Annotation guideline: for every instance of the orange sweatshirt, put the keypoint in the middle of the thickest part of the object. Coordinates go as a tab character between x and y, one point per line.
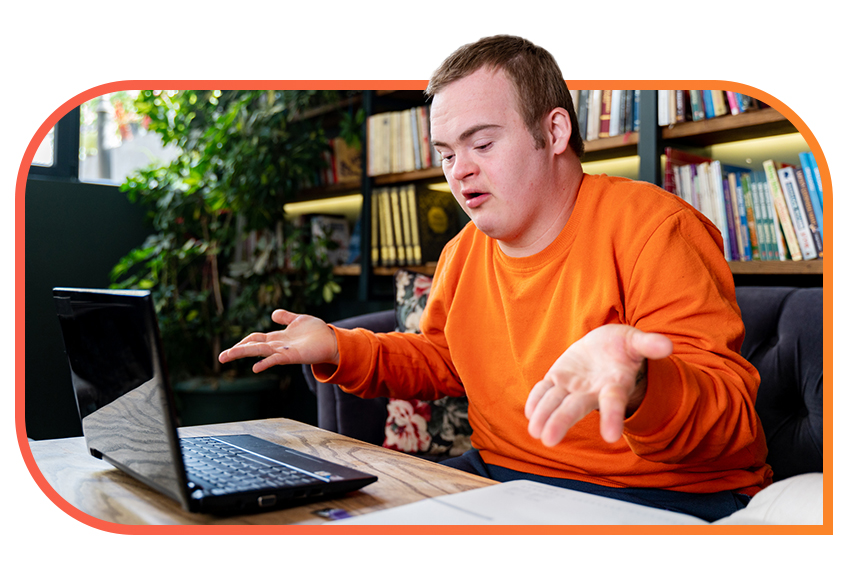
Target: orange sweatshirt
631	254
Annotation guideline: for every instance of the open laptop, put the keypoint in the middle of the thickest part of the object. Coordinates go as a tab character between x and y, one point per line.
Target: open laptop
128	417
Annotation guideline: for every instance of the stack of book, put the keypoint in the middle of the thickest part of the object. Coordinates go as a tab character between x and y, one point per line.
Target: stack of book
399	141
606	113
410	224
674	106
772	214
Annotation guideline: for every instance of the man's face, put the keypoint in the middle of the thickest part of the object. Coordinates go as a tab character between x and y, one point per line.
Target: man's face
490	158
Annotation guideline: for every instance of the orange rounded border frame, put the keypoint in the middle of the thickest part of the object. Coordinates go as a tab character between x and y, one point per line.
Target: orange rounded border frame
20	301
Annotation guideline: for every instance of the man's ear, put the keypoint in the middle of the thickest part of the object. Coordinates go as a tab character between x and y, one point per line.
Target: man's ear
558	131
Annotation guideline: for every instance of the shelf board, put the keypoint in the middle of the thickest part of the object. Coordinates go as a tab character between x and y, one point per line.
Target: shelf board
347	270
729	128
811	267
608	148
434	173
316	193
355	270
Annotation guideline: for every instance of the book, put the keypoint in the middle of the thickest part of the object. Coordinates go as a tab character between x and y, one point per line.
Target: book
397	226
780	248
615	128
681	104
807	161
740	212
375	229
406	225
663	118
594	121
583	113
676	158
707	98
807	207
753	227
696	100
732	102
788	182
782	210
719	103
409	196
347	161
437	218
605	116
636	102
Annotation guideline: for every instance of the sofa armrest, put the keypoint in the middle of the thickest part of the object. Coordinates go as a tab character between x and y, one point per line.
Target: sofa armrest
352	416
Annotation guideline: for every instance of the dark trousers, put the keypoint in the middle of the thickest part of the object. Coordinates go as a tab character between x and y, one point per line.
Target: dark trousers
707	506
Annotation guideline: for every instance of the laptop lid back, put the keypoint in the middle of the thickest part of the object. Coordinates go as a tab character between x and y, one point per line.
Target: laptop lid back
120	382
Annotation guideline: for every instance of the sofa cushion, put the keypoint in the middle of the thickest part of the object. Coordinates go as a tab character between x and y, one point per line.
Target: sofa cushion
435	429
784	341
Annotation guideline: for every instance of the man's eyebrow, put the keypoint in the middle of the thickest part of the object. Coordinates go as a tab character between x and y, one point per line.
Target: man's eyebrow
467	133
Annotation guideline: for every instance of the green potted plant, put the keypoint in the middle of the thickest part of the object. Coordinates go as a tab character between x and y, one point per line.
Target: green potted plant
222	255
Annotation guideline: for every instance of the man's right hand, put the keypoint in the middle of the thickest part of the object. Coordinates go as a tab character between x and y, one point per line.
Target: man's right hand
306	340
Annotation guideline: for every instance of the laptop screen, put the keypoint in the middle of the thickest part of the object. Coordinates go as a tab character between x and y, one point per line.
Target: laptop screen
112	342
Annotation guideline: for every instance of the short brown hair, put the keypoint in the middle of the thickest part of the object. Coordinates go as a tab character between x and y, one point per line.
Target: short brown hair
534	73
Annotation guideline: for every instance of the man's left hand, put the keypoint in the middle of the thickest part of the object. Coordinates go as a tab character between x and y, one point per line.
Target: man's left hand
604	370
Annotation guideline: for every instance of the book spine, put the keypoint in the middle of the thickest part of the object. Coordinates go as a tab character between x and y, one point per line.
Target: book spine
583	112
754	228
707	97
696	101
812	187
662	108
594	124
719	103
375	229
414	230
744	229
786	175
400	245
732	102
780	207
606	113
731	225
628	111
405	223
720	208
636	121
680	105
807	208
615	113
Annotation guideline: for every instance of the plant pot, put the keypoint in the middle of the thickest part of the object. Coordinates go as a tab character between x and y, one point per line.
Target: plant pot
208	400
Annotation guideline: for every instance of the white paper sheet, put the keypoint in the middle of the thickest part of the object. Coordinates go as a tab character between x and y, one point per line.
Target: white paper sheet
522	502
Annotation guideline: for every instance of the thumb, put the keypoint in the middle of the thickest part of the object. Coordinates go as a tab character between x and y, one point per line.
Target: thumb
283	317
650	345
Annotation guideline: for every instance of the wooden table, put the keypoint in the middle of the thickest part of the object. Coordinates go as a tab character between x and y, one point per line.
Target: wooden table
103	492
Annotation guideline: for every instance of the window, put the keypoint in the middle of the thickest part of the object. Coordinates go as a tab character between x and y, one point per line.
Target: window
102	141
114	140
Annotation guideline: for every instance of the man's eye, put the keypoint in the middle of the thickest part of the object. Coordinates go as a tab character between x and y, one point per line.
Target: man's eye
484	146
447	158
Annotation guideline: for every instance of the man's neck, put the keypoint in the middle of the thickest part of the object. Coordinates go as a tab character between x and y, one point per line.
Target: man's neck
553	219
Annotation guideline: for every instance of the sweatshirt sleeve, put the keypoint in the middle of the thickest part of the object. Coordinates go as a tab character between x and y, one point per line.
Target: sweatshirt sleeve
396	364
699	404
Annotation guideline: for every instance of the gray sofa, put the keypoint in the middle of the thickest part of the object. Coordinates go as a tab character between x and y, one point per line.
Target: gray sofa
784	341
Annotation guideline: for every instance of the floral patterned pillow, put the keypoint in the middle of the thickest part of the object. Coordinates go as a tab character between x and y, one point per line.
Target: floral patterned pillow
434	428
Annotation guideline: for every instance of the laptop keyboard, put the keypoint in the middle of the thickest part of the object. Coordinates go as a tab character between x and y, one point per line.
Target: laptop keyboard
228	469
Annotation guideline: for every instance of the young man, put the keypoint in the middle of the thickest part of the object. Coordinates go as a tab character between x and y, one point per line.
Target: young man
591	321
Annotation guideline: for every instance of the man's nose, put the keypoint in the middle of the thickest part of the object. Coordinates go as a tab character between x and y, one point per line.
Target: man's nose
464	166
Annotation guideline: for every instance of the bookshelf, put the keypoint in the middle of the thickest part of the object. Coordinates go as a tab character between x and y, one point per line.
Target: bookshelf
642	150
